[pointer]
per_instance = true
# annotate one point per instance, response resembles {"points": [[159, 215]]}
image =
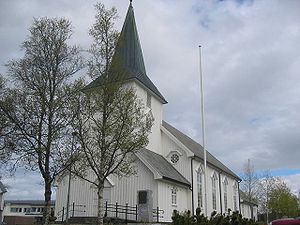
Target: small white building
{"points": [[246, 208], [2, 192], [23, 211], [171, 166]]}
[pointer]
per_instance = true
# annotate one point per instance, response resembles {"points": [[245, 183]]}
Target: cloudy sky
{"points": [[251, 67]]}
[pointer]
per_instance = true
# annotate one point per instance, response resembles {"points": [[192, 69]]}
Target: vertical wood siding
{"points": [[183, 165], [165, 199], [124, 190]]}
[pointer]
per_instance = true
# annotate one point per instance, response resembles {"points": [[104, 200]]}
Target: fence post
{"points": [[116, 210], [126, 211], [73, 209], [157, 214], [136, 212], [105, 209], [63, 214]]}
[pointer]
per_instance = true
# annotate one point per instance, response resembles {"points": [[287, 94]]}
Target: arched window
{"points": [[199, 187], [148, 103], [214, 179], [174, 195], [235, 197], [225, 184]]}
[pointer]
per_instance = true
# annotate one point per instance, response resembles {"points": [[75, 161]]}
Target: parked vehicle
{"points": [[286, 221]]}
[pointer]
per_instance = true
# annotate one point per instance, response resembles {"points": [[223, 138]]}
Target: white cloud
{"points": [[24, 186], [251, 65], [293, 182]]}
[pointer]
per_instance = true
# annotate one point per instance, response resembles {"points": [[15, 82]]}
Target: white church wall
{"points": [[210, 172], [220, 176], [82, 193], [156, 110], [183, 165], [121, 190], [231, 192], [183, 196], [125, 189]]}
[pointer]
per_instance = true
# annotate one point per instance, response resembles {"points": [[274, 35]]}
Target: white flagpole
{"points": [[203, 132]]}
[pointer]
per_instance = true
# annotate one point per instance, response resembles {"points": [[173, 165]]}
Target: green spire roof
{"points": [[128, 62]]}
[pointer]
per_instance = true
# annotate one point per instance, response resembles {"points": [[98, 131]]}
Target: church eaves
{"points": [[128, 62]]}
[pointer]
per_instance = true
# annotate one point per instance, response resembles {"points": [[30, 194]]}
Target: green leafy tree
{"points": [[266, 185], [36, 105], [282, 202]]}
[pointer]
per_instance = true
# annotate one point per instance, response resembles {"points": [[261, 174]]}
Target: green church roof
{"points": [[128, 62]]}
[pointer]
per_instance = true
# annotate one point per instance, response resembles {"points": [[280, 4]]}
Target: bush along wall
{"points": [[229, 218]]}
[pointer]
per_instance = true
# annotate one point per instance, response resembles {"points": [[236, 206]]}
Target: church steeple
{"points": [[128, 61], [128, 54]]}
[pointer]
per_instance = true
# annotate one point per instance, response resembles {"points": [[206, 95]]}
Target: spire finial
{"points": [[130, 1]]}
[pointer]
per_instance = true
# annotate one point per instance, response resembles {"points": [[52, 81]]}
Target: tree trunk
{"points": [[100, 212], [47, 207]]}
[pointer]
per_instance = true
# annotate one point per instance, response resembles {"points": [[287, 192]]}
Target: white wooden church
{"points": [[170, 168]]}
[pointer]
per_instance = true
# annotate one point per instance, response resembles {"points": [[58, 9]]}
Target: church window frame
{"points": [[200, 187], [214, 179], [235, 197], [174, 158], [225, 193], [174, 196], [149, 99]]}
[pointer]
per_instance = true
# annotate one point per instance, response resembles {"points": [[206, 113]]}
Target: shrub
{"points": [[229, 218]]}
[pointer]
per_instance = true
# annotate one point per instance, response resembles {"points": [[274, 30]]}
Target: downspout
{"points": [[192, 186], [221, 207]]}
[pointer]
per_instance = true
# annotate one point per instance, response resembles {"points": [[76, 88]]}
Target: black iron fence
{"points": [[158, 214], [73, 208], [116, 210], [125, 210]]}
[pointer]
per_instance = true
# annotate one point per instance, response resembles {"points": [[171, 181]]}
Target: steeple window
{"points": [[148, 100]]}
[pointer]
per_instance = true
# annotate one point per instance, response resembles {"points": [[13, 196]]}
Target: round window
{"points": [[174, 158]]}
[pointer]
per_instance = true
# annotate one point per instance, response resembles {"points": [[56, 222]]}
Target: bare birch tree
{"points": [[5, 127], [112, 124], [105, 38], [38, 109], [249, 184], [266, 185]]}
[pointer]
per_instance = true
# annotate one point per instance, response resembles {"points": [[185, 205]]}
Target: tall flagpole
{"points": [[203, 131]]}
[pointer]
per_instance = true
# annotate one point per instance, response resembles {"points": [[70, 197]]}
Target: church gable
{"points": [[197, 149], [161, 167], [176, 155]]}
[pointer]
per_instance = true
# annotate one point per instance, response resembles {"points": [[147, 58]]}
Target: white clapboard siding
{"points": [[156, 111], [165, 199], [183, 165], [125, 189]]}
